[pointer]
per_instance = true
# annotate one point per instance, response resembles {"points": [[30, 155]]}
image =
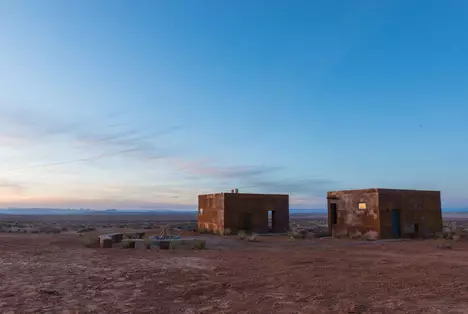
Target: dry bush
{"points": [[322, 234], [127, 236], [200, 245], [227, 231], [202, 230], [253, 238], [127, 244], [90, 241], [241, 234], [443, 244], [356, 235], [87, 229], [294, 234], [370, 235]]}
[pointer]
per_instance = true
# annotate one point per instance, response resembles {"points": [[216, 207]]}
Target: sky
{"points": [[145, 104]]}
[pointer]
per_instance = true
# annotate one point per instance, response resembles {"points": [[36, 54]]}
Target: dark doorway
{"points": [[271, 221], [333, 214], [245, 221], [396, 229]]}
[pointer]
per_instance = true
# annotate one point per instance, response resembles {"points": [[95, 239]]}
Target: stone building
{"points": [[385, 213], [259, 213]]}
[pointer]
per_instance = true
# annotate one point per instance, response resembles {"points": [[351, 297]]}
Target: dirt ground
{"points": [[41, 273]]}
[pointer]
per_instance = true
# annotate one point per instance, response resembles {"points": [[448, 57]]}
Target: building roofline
{"points": [[382, 190], [245, 194]]}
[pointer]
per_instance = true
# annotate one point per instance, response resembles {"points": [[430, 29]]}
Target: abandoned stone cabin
{"points": [[386, 212], [261, 213]]}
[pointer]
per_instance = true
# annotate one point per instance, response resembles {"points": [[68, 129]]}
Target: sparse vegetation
{"points": [[200, 245], [90, 241], [297, 234], [241, 234], [253, 237], [202, 230], [444, 244], [86, 229], [127, 244]]}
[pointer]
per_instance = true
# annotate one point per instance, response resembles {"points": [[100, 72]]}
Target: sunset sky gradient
{"points": [[144, 104]]}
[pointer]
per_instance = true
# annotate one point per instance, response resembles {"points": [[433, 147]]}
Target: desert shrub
{"points": [[147, 243], [227, 231], [370, 235], [241, 234], [90, 241], [443, 244], [86, 229], [322, 234], [199, 245], [294, 234], [126, 244], [253, 238], [202, 230]]}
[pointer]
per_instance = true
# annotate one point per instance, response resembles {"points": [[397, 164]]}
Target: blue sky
{"points": [[145, 104]]}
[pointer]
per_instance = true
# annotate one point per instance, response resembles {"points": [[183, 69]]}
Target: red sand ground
{"points": [[56, 274]]}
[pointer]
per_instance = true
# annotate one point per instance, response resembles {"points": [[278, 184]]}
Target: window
{"points": [[200, 211], [362, 205]]}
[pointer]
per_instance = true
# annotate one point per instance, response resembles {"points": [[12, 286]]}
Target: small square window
{"points": [[201, 211], [362, 205]]}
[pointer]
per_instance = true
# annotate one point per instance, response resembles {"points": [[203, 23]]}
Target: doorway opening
{"points": [[271, 221], [245, 221], [333, 214], [396, 229]]}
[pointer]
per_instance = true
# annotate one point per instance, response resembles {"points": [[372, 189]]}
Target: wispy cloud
{"points": [[99, 138], [201, 168], [11, 186], [104, 137], [261, 179]]}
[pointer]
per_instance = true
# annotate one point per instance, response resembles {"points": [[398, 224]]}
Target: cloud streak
{"points": [[261, 179], [27, 129], [12, 186]]}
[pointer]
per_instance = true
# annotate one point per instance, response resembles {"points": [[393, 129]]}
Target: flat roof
{"points": [[244, 194], [383, 190]]}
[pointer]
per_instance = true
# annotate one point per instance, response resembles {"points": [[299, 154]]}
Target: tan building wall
{"points": [[211, 212], [388, 213], [351, 218]]}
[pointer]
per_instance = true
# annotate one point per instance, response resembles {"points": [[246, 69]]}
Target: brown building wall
{"points": [[240, 205], [352, 220], [238, 211], [420, 212], [211, 212]]}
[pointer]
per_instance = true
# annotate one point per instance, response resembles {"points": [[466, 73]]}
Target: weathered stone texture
{"points": [[217, 212], [420, 212]]}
